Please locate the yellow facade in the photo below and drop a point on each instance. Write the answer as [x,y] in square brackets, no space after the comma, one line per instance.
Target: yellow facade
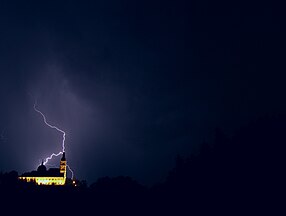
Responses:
[45,180]
[44,177]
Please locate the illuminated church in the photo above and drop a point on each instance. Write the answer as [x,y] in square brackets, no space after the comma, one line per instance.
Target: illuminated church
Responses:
[53,176]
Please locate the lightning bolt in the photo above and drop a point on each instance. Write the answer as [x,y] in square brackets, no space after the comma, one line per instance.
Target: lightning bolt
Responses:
[70,171]
[63,141]
[53,127]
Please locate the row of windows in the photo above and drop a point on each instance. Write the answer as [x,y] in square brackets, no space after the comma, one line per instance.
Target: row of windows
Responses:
[43,179]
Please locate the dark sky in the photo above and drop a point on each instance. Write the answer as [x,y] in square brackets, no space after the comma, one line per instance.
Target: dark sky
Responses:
[133,83]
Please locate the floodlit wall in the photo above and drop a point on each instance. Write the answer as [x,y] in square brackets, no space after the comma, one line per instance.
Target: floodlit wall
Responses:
[45,180]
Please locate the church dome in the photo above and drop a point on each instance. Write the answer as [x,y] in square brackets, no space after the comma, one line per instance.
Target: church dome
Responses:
[42,168]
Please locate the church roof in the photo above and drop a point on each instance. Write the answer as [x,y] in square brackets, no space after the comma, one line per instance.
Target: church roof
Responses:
[42,168]
[52,172]
[43,172]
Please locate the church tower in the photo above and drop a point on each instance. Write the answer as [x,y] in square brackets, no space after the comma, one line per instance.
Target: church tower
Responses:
[63,166]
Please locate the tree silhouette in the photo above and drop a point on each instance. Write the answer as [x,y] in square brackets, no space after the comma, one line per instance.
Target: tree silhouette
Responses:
[231,172]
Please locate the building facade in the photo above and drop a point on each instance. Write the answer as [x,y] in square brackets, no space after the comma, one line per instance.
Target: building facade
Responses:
[53,176]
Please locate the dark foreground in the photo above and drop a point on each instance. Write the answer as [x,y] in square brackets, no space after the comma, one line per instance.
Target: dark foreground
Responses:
[241,174]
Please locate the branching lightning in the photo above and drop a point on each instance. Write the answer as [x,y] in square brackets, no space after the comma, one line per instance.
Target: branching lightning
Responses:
[51,156]
[70,171]
[53,127]
[63,141]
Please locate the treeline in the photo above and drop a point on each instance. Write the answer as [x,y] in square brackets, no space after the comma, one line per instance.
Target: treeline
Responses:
[244,171]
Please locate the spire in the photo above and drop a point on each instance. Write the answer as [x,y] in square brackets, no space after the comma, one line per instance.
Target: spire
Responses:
[42,162]
[63,157]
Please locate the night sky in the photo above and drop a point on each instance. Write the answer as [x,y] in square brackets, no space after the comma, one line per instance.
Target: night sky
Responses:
[133,83]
